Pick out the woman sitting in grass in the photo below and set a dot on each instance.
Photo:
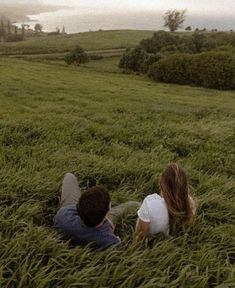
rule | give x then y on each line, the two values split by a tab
173	207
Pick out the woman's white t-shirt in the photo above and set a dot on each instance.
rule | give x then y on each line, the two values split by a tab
154	211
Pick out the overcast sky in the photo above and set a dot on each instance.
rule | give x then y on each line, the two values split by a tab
193	6
205	6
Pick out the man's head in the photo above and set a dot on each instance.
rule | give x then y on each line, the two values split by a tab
93	205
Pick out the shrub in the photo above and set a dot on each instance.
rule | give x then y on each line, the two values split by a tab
173	69
76	57
169	49
166	44
133	59
187	41
149	60
159	40
195	43
209	69
138	60
213	70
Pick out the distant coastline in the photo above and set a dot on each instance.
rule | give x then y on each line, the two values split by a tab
20	12
76	19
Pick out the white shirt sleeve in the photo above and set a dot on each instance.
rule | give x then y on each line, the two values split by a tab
143	212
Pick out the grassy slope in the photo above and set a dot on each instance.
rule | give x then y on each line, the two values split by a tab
120	130
99	40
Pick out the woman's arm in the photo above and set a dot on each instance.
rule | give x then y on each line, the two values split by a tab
141	231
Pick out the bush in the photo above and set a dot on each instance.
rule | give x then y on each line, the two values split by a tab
209	69
195	43
172	69
167	44
133	59
138	60
76	57
169	49
149	60
213	70
159	40
172	49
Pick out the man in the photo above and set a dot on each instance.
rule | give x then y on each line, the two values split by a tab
88	218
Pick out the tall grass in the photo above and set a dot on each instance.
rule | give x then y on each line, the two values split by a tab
119	130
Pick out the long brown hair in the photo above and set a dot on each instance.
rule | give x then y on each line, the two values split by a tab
175	191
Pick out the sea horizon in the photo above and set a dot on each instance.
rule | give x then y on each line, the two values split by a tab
76	21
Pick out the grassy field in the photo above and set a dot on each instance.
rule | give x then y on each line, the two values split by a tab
99	40
121	131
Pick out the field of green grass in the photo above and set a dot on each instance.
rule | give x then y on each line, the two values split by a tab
119	130
99	40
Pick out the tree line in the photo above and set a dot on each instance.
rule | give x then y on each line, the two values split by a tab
10	32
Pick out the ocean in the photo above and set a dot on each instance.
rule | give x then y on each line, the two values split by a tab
75	20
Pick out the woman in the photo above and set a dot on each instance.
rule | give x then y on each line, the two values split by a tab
174	205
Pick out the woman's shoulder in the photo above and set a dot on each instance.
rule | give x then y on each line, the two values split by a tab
156	207
153	197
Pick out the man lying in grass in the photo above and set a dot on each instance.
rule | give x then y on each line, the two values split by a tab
88	218
174	207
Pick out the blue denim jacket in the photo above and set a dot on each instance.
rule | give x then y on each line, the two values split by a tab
71	227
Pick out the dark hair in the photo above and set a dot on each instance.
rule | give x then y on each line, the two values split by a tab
93	205
175	191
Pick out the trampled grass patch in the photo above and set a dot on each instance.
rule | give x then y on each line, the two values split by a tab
121	131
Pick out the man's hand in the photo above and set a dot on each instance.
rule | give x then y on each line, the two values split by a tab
111	223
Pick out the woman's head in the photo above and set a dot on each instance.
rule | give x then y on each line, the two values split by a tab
175	191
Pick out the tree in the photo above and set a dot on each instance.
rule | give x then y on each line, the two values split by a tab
9	27
173	19
23	29
5	26
76	57
2	28
15	29
188	28
38	28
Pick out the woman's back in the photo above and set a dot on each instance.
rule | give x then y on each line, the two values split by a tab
175	206
154	211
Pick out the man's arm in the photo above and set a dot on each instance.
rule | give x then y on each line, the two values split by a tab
111	223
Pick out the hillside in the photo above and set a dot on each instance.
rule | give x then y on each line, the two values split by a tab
99	40
119	130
